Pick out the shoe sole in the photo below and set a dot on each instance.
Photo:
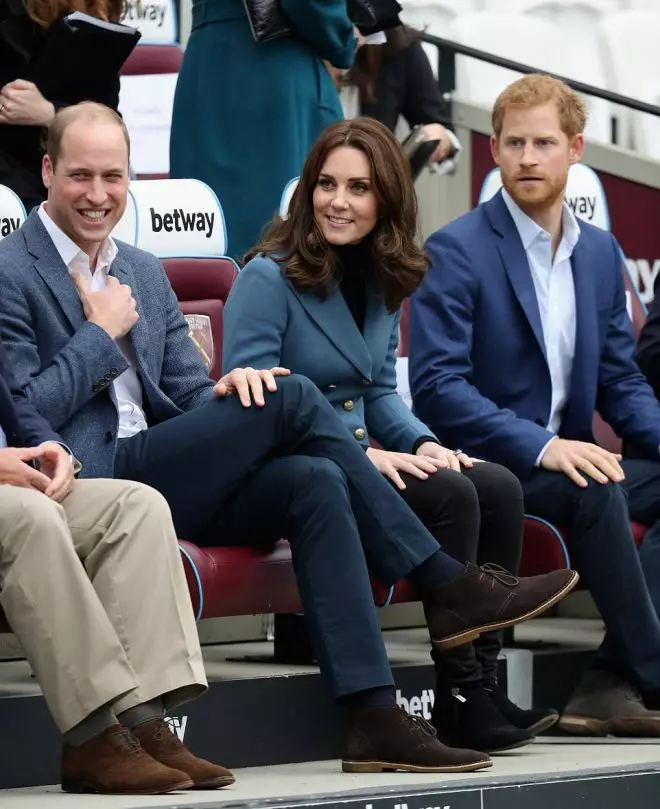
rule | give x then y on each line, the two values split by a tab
588	726
214	783
468	635
523	743
391	766
543	724
84	787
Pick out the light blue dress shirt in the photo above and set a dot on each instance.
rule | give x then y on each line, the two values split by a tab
555	295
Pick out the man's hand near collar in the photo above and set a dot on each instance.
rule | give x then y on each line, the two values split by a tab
54	476
249	384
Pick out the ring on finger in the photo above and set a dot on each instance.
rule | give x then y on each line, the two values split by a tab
458	452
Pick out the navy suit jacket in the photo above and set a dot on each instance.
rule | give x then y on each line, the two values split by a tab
22	424
478	369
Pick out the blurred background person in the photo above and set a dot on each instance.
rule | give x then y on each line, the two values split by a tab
24	112
246	113
395	80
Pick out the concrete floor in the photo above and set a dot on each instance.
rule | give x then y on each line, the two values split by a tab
535	763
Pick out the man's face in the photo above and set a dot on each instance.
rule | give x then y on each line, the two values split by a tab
88	187
534	156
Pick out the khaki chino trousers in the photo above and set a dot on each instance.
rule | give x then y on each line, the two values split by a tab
95	590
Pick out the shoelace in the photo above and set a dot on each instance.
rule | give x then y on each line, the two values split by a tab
426	727
501	574
129	742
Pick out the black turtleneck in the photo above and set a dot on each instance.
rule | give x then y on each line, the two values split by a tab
355	260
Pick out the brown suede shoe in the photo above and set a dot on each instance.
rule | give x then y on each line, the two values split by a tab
488	597
115	764
388	739
603	705
159	741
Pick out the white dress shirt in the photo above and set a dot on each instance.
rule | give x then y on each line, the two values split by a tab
126	389
3	439
555	295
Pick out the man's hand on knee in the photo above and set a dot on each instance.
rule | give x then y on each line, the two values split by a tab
249	384
57	464
573	457
15	469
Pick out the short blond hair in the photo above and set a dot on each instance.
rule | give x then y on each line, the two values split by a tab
535	90
87	110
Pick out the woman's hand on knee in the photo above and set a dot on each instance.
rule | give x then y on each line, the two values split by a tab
391	463
443	457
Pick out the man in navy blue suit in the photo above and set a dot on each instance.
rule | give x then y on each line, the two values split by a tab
518	333
73	556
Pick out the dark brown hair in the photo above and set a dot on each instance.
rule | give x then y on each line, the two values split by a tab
45	12
298	245
536	90
89	110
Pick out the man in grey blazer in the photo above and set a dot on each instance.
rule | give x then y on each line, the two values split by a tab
100	347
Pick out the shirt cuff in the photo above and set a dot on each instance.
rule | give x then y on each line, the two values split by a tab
537	462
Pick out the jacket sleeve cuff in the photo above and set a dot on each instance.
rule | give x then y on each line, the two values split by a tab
423	439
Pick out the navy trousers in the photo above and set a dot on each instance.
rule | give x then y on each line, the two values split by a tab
602	550
235	475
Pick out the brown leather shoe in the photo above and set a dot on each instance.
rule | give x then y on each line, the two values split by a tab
159	741
115	764
488	597
605	705
388	739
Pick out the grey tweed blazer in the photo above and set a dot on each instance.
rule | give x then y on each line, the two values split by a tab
66	365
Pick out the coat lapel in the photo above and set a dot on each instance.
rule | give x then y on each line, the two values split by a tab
333	317
48	263
516	264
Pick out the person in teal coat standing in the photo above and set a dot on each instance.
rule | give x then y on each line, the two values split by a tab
246	113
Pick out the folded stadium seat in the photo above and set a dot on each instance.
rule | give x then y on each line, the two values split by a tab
581	56
146	99
525	39
12	211
630	46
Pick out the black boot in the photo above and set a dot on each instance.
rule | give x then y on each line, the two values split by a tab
388	739
466	717
534	721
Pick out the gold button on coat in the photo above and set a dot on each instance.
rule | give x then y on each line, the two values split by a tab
348	404
359	433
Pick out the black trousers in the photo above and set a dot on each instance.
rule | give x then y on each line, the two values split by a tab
475	516
597	524
235	475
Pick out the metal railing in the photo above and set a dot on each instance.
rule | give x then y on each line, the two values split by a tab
448	49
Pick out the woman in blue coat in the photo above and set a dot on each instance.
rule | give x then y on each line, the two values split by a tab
321	296
246	113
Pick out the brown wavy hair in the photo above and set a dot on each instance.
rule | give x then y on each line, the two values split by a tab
45	12
297	242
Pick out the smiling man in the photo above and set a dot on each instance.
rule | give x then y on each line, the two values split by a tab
519	333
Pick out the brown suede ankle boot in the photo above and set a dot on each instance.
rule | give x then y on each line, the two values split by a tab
488	597
387	739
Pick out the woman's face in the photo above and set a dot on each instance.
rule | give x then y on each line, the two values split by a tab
345	204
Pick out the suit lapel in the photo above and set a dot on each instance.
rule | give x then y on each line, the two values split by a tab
333	317
139	334
48	263
516	264
586	329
